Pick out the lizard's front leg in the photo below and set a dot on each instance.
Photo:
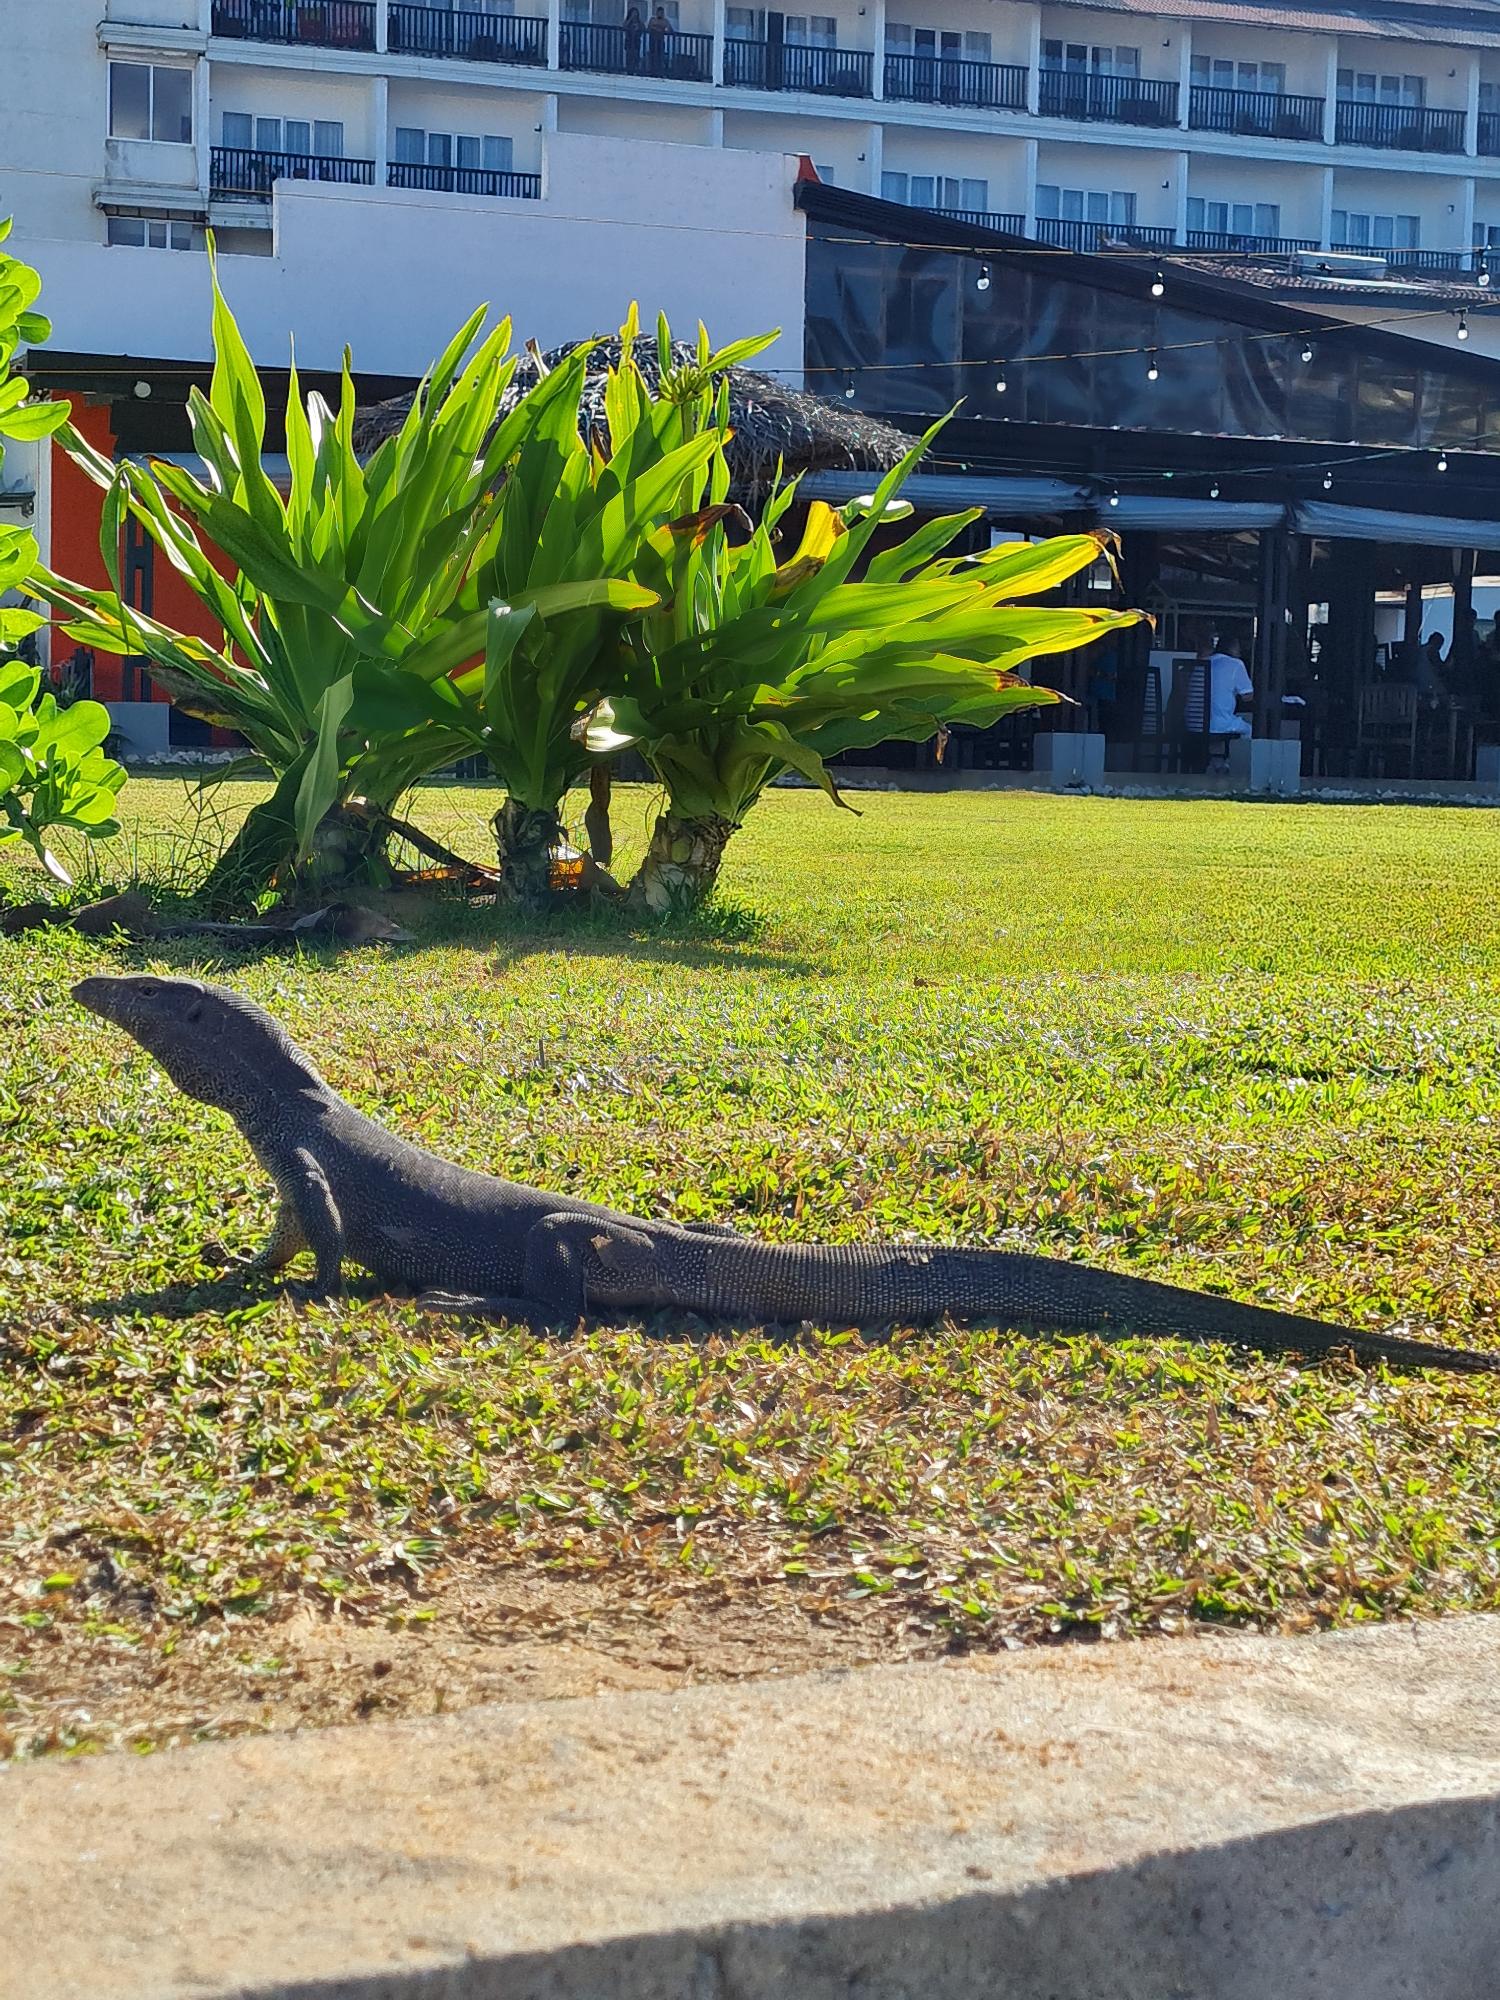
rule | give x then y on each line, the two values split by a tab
315	1216
288	1240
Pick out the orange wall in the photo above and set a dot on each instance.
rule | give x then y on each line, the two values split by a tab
75	554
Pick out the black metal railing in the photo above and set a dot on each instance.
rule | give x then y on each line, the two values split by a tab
1261	114
790	66
437	31
636	52
243	170
984	218
1408	128
465	180
1113	100
981	86
1095	235
1249	245
1489	132
329	24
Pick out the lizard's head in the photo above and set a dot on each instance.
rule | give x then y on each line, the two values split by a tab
215	1044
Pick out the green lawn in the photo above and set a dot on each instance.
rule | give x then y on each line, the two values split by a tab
1246	1048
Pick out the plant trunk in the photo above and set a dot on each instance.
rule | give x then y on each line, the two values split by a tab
528	842
681	864
349	847
596	819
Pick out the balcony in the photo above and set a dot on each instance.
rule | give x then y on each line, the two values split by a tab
791	66
974	86
466	180
1101	235
1249	246
983	218
435	31
1109	100
1260	114
250	175
326	24
1406	128
1489	132
636	52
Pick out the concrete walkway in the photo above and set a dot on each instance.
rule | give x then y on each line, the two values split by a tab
1177	1821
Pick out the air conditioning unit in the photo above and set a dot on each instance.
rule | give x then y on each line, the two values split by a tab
1337	264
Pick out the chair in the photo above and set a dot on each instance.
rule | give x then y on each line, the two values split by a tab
1189	746
1387	728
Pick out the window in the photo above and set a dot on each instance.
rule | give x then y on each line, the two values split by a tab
745	24
320	138
1220	73
825	174
152	232
1077	57
487	150
150	101
1360	86
1487	235
811	31
1355	231
1238	218
937	191
1060	204
902	39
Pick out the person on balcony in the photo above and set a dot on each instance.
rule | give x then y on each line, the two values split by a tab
635	27
658	28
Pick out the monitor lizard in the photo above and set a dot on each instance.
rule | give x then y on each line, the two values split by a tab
463	1241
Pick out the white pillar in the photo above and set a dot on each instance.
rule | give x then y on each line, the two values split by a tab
1034	69
382	25
1325	211
1184	71
1179	213
1463	217
1331	96
205	16
877	39
202	111
380	127
713	127
720	16
874	156
1471	105
549	112
554	33
1028	191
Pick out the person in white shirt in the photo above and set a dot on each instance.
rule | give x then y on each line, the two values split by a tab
1228	685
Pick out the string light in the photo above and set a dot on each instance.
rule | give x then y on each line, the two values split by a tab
1463	325
1327	482
1442	461
1001	385
1213	491
983	281
1307	350
1113	498
1158	284
849	388
1153	366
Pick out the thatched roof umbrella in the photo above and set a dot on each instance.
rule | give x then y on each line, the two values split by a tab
770	420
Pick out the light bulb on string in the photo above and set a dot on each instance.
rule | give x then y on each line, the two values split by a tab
1001	385
1327	482
1113	498
1153	366
1463	326
1158	284
1483	276
1307	350
982	282
1442	461
849	388
1213	491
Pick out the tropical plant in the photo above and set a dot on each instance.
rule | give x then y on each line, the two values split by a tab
752	667
356	601
53	772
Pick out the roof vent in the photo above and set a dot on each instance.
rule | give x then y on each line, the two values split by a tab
1337	264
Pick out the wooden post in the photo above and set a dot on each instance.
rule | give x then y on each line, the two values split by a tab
1268	668
1461	650
1350	649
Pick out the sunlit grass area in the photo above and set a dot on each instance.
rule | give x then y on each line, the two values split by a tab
1251	1049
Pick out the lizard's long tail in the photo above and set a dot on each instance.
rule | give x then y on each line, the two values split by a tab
866	1284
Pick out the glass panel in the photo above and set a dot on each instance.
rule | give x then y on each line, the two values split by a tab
129	100
1047	201
1268	218
126	231
183	234
825	174
497	154
466	150
268	134
298	135
1408	231
172	106
745	24
977	46
1096	205
328	138
1127	62
1273	78
898	37
1072	204
893	187
923	191
439	149
238	129
1195	212
975	195
1223	73
156	235
1199	71
411	145
1242	218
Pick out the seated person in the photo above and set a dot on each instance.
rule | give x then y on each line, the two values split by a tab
1228	687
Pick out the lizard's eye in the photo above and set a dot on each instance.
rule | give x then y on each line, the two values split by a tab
148	989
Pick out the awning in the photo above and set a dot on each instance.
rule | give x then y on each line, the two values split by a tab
1375	524
1206	516
950	492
